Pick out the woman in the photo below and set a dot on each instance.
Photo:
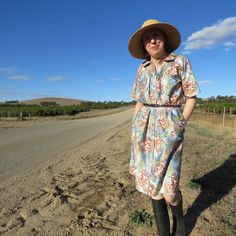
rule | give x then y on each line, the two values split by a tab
164	82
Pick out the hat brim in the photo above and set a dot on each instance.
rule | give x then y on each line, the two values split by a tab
136	47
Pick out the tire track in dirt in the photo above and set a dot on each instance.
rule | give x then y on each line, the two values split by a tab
91	191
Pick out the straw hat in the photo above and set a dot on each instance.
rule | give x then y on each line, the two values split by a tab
136	47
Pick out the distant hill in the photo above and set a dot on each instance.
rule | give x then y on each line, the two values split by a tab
59	101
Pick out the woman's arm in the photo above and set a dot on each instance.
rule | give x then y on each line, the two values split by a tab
189	107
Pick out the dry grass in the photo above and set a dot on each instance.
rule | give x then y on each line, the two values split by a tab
210	161
215	120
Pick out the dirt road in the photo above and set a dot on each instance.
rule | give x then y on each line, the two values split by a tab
22	148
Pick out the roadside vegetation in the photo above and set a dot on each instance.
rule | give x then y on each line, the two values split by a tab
217	104
45	109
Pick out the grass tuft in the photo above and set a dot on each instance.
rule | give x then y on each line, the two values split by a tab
193	185
141	217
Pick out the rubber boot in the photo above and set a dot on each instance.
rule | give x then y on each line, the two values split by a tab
178	218
161	217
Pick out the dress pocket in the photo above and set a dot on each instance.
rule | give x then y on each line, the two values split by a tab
182	125
135	116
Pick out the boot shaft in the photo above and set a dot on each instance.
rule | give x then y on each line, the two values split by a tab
161	217
178	218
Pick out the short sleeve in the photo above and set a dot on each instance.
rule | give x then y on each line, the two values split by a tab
137	92
189	83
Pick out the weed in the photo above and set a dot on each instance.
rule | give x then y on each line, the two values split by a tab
141	217
129	191
234	232
193	185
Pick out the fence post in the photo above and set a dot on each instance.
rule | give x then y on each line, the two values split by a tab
224	117
21	116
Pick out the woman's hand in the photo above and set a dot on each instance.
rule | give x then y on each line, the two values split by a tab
137	107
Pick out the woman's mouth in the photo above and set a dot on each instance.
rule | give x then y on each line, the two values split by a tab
154	47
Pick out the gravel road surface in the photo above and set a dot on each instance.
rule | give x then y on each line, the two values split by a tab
25	148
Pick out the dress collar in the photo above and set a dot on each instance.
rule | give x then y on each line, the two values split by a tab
170	57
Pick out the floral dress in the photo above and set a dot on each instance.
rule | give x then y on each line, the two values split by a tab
156	134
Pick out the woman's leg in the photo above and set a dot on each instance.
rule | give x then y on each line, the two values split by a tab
161	216
176	206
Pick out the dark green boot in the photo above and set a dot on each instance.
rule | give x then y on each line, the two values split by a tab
161	217
178	218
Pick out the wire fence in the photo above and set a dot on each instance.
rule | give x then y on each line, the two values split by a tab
213	119
10	115
224	119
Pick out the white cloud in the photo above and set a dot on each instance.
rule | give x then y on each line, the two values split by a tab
221	33
203	82
7	70
18	77
55	78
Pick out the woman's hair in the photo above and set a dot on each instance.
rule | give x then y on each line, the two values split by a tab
165	45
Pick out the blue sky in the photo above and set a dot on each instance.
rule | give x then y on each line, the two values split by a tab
78	49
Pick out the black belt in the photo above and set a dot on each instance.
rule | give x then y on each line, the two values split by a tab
158	105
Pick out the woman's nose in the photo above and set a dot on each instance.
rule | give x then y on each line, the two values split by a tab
153	40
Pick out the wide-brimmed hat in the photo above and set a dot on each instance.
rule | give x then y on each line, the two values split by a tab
136	47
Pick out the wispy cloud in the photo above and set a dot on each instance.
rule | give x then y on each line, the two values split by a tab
228	45
55	78
221	33
7	70
186	52
113	79
11	74
99	81
11	94
18	77
204	82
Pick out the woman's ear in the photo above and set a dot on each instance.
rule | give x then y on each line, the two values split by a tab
147	56
165	46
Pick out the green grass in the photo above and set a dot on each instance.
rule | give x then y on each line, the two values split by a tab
193	185
233	232
141	218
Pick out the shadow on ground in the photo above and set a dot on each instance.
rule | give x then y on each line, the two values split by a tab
214	186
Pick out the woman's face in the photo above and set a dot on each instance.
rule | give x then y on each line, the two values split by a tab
154	43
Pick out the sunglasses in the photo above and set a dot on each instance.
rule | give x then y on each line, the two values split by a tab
155	36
